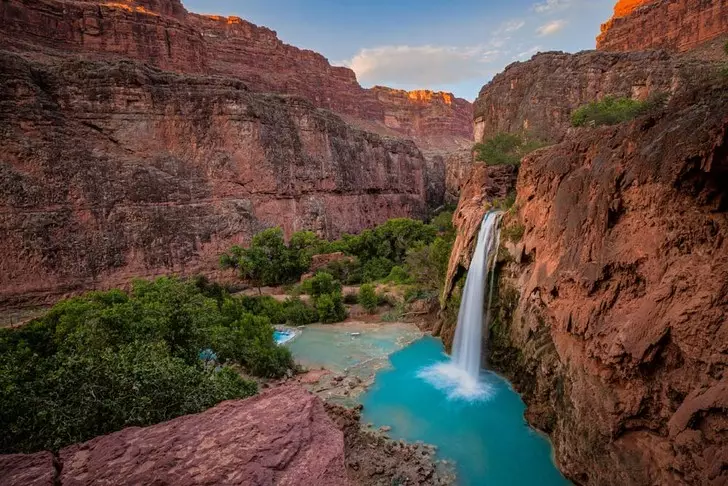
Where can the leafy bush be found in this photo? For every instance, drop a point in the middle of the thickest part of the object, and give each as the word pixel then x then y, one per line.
pixel 398 275
pixel 321 283
pixel 106 360
pixel 505 149
pixel 443 221
pixel 513 232
pixel 377 269
pixel 368 298
pixel 612 110
pixel 331 308
pixel 347 271
pixel 299 313
pixel 269 261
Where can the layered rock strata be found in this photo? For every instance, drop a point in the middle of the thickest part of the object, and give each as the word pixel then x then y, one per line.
pixel 112 170
pixel 163 34
pixel 677 25
pixel 537 97
pixel 611 315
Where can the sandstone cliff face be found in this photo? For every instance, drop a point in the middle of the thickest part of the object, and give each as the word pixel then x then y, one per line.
pixel 438 121
pixel 613 322
pixel 283 436
pixel 115 170
pixel 678 25
pixel 162 33
pixel 537 97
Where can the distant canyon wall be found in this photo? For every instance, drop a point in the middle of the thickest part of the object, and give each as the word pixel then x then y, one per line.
pixel 112 170
pixel 140 139
pixel 677 25
pixel 163 34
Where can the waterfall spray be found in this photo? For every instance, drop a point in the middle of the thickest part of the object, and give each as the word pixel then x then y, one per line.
pixel 461 376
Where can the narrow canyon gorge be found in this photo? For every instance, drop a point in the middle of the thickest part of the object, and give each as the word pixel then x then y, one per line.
pixel 141 140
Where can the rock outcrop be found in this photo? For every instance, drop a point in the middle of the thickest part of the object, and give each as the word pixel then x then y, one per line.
pixel 163 34
pixel 112 170
pixel 283 436
pixel 677 25
pixel 611 314
pixel 28 469
pixel 537 97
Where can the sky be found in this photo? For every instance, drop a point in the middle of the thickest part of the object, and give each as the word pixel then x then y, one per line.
pixel 447 45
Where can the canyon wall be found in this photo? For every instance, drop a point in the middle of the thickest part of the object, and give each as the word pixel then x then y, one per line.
pixel 537 97
pixel 677 25
pixel 610 317
pixel 163 34
pixel 140 139
pixel 112 170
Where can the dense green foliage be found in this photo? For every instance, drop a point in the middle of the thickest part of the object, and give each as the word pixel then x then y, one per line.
pixel 269 261
pixel 368 298
pixel 325 292
pixel 612 110
pixel 505 149
pixel 107 360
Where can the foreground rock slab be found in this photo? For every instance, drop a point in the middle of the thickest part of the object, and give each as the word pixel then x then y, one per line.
pixel 282 437
pixel 27 469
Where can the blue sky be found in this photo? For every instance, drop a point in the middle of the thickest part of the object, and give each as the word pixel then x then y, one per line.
pixel 451 45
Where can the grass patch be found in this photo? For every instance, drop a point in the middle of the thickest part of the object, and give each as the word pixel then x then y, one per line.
pixel 505 149
pixel 513 232
pixel 612 110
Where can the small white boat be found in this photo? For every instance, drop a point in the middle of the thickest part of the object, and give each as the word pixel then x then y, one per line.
pixel 355 334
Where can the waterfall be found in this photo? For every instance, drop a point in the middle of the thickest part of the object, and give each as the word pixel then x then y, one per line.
pixel 461 376
pixel 466 351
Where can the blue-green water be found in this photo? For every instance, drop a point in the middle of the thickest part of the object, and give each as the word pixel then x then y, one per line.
pixel 487 438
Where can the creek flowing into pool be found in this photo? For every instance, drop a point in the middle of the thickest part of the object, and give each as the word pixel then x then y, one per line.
pixel 473 416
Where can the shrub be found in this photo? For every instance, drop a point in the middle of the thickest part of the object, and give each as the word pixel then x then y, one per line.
pixel 395 314
pixel 368 298
pixel 398 275
pixel 73 397
pixel 331 308
pixel 513 232
pixel 505 149
pixel 377 269
pixel 612 110
pixel 96 363
pixel 265 306
pixel 347 271
pixel 299 313
pixel 320 284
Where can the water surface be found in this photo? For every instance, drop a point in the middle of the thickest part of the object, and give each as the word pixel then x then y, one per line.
pixel 487 437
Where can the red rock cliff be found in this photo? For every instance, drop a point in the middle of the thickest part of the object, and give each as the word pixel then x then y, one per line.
pixel 677 25
pixel 112 170
pixel 163 34
pixel 611 313
pixel 538 96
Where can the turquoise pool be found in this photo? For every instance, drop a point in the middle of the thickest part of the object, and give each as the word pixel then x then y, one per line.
pixel 485 434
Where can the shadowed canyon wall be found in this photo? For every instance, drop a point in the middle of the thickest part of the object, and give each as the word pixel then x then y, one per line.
pixel 114 169
pixel 140 139
pixel 677 25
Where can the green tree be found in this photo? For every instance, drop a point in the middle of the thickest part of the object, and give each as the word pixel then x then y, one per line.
pixel 368 298
pixel 331 308
pixel 505 149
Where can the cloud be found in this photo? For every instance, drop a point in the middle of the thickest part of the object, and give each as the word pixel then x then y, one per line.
pixel 420 65
pixel 551 6
pixel 551 28
pixel 510 26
